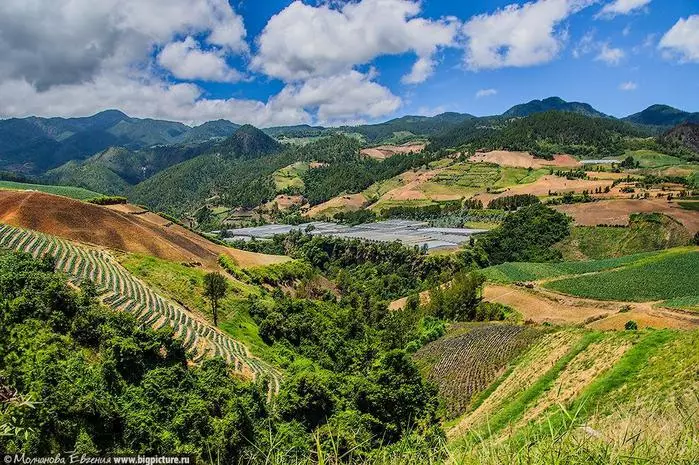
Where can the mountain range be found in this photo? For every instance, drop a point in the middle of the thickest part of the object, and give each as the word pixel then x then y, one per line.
pixel 35 145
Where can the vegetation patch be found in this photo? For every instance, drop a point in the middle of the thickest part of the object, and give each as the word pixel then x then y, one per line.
pixel 465 364
pixel 66 191
pixel 666 276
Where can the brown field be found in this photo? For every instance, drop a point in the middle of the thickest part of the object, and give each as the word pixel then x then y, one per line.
pixel 123 227
pixel 386 151
pixel 410 190
pixel 549 183
pixel 284 202
pixel 524 160
pixel 351 202
pixel 618 211
pixel 542 306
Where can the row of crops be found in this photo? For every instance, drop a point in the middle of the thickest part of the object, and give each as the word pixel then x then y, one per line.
pixel 466 364
pixel 122 291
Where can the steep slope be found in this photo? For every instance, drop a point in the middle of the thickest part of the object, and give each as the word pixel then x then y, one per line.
pixel 133 230
pixel 115 169
pixel 662 115
pixel 549 104
pixel 34 144
pixel 249 142
pixel 684 135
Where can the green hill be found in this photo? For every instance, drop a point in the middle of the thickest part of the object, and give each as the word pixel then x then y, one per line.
pixel 662 115
pixel 66 191
pixel 542 134
pixel 552 104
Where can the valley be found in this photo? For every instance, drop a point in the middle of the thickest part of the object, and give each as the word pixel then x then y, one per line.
pixel 426 290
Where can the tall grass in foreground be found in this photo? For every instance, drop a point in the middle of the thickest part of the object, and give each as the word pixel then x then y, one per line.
pixel 632 435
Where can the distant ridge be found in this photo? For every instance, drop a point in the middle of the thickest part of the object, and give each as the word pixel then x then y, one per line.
pixel 662 115
pixel 549 104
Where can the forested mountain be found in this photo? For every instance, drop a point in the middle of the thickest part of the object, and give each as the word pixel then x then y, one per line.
pixel 34 145
pixel 249 142
pixel 662 115
pixel 550 104
pixel 684 135
pixel 377 133
pixel 543 134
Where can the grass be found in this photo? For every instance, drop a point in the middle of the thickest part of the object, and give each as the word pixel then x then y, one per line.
pixel 185 285
pixel 527 271
pixel 289 177
pixel 650 159
pixel 693 206
pixel 66 191
pixel 646 232
pixel 516 408
pixel 666 276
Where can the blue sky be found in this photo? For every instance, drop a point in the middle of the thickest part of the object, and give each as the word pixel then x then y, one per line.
pixel 276 62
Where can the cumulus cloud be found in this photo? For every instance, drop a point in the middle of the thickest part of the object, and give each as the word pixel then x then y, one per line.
pixel 610 55
pixel 186 60
pixel 682 40
pixel 621 7
pixel 519 35
pixel 304 41
pixel 340 97
pixel 486 93
pixel 53 42
pixel 628 86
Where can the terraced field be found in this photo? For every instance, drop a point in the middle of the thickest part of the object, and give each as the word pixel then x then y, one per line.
pixel 121 291
pixel 467 363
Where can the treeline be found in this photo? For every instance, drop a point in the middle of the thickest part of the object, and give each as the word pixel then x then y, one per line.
pixel 542 134
pixel 513 202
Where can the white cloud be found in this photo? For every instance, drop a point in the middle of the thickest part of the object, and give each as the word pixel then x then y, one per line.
pixel 682 40
pixel 152 99
pixel 303 41
pixel 340 98
pixel 628 86
pixel 610 55
pixel 52 42
pixel 486 93
pixel 585 45
pixel 621 7
pixel 519 35
pixel 186 60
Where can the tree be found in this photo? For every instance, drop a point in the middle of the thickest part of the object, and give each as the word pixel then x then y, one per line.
pixel 215 286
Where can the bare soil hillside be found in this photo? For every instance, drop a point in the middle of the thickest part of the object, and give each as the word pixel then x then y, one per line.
pixel 126 227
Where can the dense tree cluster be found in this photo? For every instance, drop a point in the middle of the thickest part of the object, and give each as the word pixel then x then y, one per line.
pixel 542 134
pixel 527 236
pixel 512 202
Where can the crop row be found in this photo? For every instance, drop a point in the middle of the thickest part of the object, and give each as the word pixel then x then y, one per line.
pixel 464 365
pixel 122 291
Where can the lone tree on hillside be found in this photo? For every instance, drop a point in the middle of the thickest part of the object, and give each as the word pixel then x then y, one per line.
pixel 215 286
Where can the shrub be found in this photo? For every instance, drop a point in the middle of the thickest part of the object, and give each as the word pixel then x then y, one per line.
pixel 631 325
pixel 108 200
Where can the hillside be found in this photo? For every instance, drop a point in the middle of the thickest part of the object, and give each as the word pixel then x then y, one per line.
pixel 552 104
pixel 684 135
pixel 124 228
pixel 662 115
pixel 34 145
pixel 543 134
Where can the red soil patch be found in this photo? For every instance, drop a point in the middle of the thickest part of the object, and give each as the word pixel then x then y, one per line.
pixel 549 183
pixel 618 211
pixel 123 228
pixel 543 306
pixel 524 160
pixel 386 151
pixel 351 202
